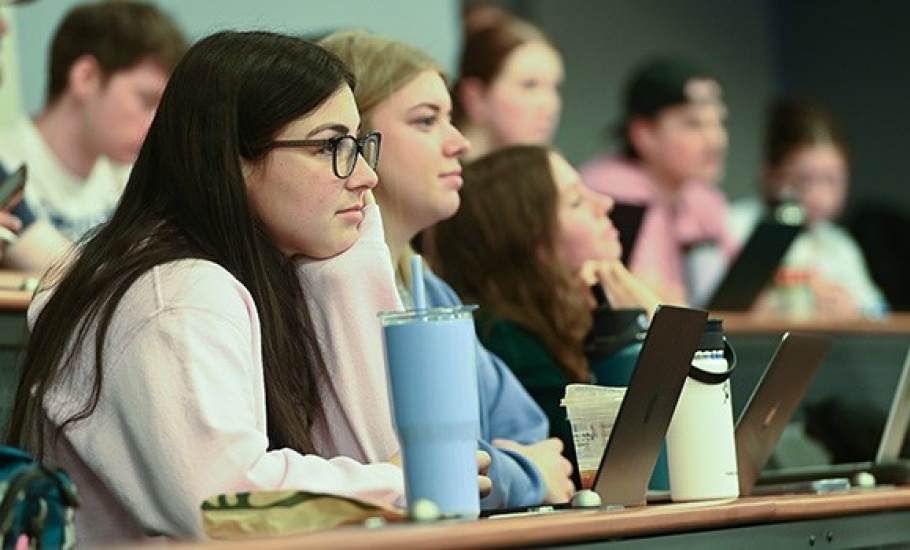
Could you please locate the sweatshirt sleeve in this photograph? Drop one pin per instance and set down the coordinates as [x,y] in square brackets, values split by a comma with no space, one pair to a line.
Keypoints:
[516,481]
[345,293]
[507,411]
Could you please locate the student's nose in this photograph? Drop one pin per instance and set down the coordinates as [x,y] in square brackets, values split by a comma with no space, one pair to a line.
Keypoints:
[716,137]
[363,176]
[455,144]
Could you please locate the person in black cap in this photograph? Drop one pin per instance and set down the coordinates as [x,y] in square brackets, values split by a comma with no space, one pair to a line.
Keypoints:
[674,140]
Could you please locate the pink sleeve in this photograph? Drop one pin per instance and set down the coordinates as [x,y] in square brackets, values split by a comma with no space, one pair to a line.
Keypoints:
[345,294]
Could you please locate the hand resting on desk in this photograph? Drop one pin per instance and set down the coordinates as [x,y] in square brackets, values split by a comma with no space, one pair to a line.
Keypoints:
[555,468]
[484,484]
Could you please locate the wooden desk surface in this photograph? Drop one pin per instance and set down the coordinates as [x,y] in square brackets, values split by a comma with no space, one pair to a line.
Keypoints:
[746,323]
[15,300]
[12,295]
[581,526]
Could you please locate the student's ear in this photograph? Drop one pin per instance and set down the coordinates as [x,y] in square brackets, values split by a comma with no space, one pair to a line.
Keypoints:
[641,136]
[472,93]
[85,77]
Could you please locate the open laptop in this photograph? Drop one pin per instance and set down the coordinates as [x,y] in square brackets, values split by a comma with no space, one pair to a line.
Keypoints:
[644,416]
[888,468]
[754,267]
[627,218]
[773,402]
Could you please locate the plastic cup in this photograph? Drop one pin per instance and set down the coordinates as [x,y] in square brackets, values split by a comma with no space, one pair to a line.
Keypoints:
[591,411]
[433,388]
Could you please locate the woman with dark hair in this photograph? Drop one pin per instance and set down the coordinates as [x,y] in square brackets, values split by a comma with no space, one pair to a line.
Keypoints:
[526,244]
[182,353]
[508,91]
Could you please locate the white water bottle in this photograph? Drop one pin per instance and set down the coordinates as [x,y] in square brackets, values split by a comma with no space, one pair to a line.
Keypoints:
[701,448]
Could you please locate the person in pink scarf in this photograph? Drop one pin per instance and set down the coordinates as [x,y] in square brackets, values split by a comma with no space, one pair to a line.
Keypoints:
[674,142]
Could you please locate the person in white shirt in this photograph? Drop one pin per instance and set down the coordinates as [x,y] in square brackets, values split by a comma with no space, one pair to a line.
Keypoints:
[108,65]
[807,160]
[9,223]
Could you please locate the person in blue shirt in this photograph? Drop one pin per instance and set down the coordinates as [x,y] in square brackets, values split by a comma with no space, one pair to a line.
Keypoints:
[401,92]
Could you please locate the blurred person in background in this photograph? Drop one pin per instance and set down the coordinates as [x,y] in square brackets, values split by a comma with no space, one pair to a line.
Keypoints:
[109,63]
[508,89]
[806,159]
[673,145]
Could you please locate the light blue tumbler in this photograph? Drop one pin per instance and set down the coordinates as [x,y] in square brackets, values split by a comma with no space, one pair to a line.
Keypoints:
[433,389]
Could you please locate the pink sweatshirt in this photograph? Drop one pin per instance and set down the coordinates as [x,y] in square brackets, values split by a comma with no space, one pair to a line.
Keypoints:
[182,416]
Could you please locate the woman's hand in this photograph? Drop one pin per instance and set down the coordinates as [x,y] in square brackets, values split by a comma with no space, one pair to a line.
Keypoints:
[832,300]
[622,288]
[555,468]
[9,226]
[484,483]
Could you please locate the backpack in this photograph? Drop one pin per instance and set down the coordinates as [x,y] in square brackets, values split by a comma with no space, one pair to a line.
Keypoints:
[36,501]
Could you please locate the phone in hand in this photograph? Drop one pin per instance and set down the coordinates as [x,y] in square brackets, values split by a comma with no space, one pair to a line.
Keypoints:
[12,187]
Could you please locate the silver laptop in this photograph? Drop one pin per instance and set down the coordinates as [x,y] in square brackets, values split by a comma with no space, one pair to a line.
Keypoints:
[773,402]
[888,468]
[644,416]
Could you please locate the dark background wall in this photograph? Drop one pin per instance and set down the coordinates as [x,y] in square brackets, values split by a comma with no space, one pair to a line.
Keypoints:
[855,55]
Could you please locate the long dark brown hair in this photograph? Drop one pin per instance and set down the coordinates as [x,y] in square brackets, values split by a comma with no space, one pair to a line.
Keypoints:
[186,198]
[500,250]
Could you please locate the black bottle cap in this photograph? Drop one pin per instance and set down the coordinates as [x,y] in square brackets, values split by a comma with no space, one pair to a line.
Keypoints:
[713,336]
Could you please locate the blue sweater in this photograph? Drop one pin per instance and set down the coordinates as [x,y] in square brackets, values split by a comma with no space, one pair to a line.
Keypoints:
[506,412]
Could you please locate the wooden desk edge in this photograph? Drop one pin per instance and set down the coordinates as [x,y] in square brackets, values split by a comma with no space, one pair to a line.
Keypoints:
[15,300]
[746,323]
[582,526]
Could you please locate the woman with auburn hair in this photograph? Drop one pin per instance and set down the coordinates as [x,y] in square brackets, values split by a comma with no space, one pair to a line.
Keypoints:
[526,245]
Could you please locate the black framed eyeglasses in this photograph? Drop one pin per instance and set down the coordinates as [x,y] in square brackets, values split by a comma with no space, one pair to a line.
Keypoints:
[345,150]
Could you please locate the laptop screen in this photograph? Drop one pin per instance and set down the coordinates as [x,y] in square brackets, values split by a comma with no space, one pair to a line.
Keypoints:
[754,267]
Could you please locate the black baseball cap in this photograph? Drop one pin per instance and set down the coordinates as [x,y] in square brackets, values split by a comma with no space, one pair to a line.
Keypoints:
[660,83]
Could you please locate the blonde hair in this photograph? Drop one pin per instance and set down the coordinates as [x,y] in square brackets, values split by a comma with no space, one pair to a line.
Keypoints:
[381,65]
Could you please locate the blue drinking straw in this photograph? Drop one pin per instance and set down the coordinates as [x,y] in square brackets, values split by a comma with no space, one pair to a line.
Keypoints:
[418,292]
